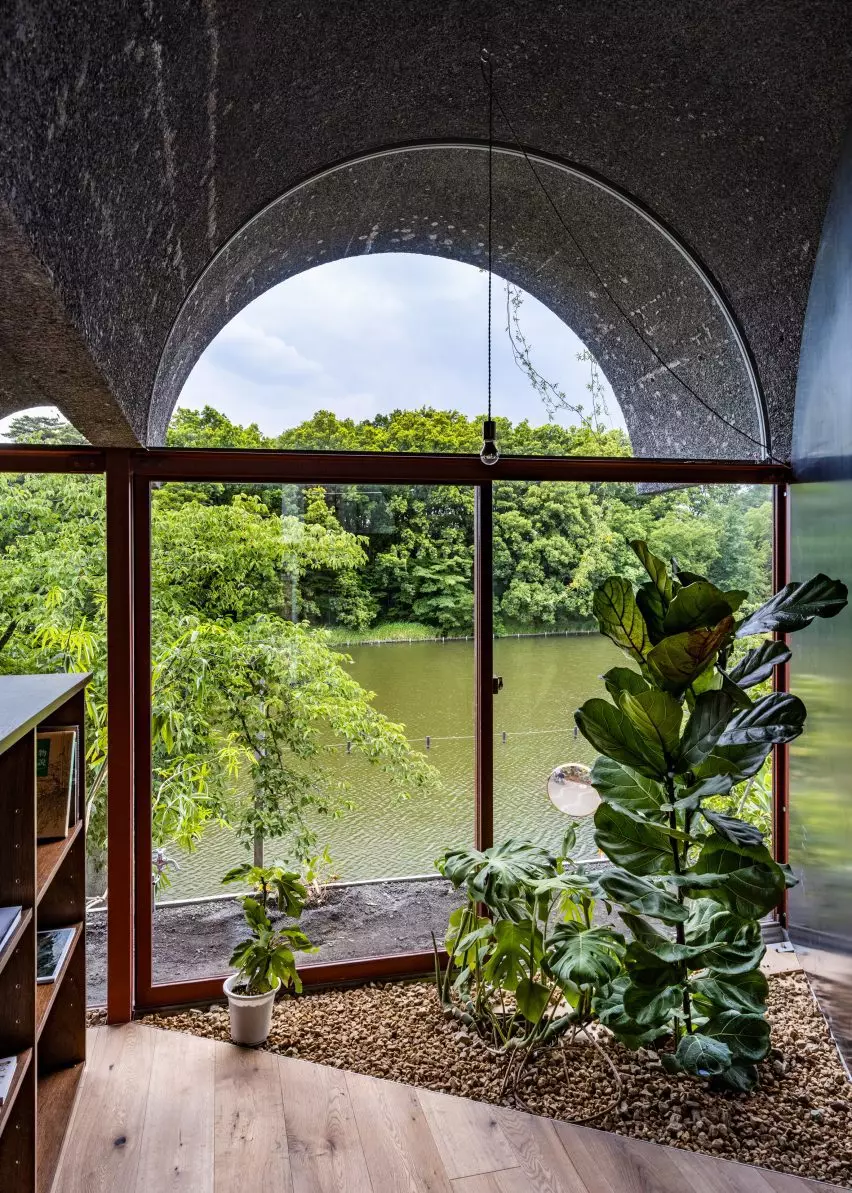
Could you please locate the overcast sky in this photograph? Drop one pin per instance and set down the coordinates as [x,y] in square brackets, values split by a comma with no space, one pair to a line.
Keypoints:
[370,334]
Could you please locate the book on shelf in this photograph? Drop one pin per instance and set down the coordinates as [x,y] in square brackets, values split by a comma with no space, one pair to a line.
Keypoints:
[52,947]
[56,770]
[10,917]
[8,1064]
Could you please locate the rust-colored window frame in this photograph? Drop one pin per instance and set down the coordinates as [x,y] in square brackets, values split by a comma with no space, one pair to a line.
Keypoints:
[129,475]
[392,468]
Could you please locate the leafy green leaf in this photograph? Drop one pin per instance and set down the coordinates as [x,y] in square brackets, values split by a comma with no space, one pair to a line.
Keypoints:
[627,789]
[700,605]
[569,840]
[624,679]
[468,935]
[612,732]
[651,1008]
[754,881]
[658,717]
[740,1076]
[739,762]
[739,697]
[776,718]
[680,659]
[746,992]
[747,1036]
[690,797]
[532,998]
[790,879]
[702,1055]
[654,566]
[517,952]
[705,726]
[795,607]
[759,663]
[609,1007]
[501,875]
[641,895]
[638,846]
[584,956]
[618,616]
[732,829]
[722,941]
[653,609]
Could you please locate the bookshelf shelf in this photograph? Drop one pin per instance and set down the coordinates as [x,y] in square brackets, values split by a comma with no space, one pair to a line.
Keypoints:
[24,1062]
[47,994]
[49,858]
[56,1094]
[11,944]
[43,1025]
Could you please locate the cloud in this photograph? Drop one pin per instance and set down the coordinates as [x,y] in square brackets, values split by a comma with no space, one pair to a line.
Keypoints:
[370,334]
[252,353]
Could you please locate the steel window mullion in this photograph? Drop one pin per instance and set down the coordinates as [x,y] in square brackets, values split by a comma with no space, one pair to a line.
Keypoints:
[483,608]
[781,683]
[421,468]
[120,722]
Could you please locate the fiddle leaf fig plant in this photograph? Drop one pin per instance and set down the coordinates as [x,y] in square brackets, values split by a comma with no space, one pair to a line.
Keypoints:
[690,883]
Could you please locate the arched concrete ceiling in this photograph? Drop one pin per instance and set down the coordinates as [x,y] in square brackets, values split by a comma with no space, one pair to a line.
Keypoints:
[433,200]
[135,140]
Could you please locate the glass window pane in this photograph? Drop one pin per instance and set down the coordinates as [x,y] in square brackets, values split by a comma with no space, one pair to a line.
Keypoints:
[313,695]
[554,542]
[375,314]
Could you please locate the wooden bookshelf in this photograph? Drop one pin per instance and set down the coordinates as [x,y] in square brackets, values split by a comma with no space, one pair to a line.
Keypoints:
[43,1025]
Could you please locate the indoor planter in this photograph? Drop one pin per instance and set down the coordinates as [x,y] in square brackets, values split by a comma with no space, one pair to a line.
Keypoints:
[265,964]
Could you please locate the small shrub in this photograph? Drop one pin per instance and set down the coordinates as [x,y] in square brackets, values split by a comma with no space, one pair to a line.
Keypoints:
[532,966]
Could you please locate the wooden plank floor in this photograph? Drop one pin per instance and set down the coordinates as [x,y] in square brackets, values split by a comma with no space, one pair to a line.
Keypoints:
[162,1111]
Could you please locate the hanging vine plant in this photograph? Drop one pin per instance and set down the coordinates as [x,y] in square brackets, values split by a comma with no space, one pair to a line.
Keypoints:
[689,883]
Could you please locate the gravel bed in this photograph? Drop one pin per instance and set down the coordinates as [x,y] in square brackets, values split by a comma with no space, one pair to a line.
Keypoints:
[799,1119]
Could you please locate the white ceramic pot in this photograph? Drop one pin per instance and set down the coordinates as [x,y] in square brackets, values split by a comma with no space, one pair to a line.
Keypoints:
[251,1014]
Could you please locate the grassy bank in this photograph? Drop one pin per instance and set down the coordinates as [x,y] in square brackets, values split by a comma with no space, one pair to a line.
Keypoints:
[413,631]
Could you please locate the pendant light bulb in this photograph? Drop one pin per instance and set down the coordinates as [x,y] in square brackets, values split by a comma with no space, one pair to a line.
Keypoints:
[490,453]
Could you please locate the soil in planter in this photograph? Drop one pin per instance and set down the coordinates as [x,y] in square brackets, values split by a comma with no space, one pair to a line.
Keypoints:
[799,1119]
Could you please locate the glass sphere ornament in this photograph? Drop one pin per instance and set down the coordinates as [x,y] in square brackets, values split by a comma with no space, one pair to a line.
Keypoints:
[570,790]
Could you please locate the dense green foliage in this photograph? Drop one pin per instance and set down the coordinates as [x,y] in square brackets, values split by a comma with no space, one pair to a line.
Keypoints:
[244,575]
[554,542]
[524,959]
[690,883]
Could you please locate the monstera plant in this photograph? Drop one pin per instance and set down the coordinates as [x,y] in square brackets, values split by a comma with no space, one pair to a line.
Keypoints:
[525,960]
[689,883]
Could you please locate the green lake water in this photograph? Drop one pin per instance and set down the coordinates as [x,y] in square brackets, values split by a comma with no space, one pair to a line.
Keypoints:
[428,687]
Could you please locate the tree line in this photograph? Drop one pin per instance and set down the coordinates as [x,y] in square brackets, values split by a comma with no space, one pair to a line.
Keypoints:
[249,694]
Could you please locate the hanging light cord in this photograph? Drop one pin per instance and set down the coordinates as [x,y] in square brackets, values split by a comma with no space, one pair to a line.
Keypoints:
[485,61]
[488,74]
[490,452]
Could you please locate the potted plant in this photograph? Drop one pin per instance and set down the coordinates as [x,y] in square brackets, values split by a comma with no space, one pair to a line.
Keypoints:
[265,963]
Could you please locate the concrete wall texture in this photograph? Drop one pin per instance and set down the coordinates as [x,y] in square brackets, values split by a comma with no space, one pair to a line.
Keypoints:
[136,139]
